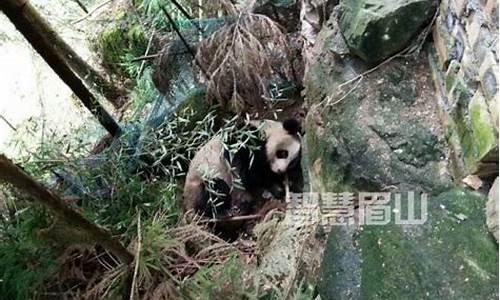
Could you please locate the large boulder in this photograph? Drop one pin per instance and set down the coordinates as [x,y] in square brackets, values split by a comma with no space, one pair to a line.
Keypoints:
[450,256]
[383,132]
[376,29]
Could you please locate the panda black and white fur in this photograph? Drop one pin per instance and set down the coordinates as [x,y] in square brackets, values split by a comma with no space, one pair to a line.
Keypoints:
[277,155]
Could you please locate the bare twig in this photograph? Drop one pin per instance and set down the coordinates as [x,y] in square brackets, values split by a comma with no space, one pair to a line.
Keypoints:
[82,6]
[235,219]
[359,79]
[156,55]
[8,123]
[143,63]
[137,256]
[145,57]
[92,11]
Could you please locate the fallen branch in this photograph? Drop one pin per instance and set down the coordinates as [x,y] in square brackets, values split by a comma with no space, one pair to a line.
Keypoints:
[15,176]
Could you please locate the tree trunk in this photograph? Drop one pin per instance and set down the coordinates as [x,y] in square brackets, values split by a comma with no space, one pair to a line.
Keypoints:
[12,174]
[60,57]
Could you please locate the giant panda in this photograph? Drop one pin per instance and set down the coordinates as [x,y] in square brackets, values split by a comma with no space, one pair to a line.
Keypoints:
[263,169]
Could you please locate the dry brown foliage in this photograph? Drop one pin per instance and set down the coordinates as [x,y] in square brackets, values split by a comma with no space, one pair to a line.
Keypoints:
[240,59]
[165,261]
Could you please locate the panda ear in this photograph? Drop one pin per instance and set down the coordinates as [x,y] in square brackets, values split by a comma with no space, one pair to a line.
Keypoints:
[292,126]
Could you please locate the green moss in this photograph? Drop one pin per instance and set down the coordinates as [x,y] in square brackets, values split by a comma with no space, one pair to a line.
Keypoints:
[485,136]
[447,257]
[472,129]
[317,79]
[376,29]
[460,125]
[460,93]
[451,75]
[443,259]
[332,176]
[120,42]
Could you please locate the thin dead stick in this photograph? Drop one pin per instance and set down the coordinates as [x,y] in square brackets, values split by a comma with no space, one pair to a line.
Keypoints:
[8,123]
[359,77]
[91,12]
[137,256]
[145,57]
[153,56]
[146,53]
[235,219]
[82,6]
[346,94]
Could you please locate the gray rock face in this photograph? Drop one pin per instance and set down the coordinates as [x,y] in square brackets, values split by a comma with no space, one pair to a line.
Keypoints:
[492,210]
[384,133]
[376,29]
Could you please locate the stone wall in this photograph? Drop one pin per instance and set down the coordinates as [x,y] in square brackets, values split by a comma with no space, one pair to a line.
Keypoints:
[465,63]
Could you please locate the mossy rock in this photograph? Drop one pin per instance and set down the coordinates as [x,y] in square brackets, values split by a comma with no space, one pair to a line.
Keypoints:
[369,141]
[376,29]
[450,256]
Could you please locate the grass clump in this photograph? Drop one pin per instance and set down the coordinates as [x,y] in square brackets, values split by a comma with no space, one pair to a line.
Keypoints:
[27,259]
[119,43]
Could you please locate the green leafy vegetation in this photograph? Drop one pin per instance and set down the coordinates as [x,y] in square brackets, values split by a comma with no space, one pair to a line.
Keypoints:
[119,43]
[27,259]
[130,185]
[135,200]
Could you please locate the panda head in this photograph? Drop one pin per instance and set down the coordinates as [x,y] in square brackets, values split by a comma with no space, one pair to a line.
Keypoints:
[283,145]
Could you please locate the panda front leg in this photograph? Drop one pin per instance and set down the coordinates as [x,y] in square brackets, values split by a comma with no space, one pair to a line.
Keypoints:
[277,191]
[242,202]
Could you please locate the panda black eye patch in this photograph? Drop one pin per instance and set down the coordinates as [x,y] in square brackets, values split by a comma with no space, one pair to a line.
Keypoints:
[281,154]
